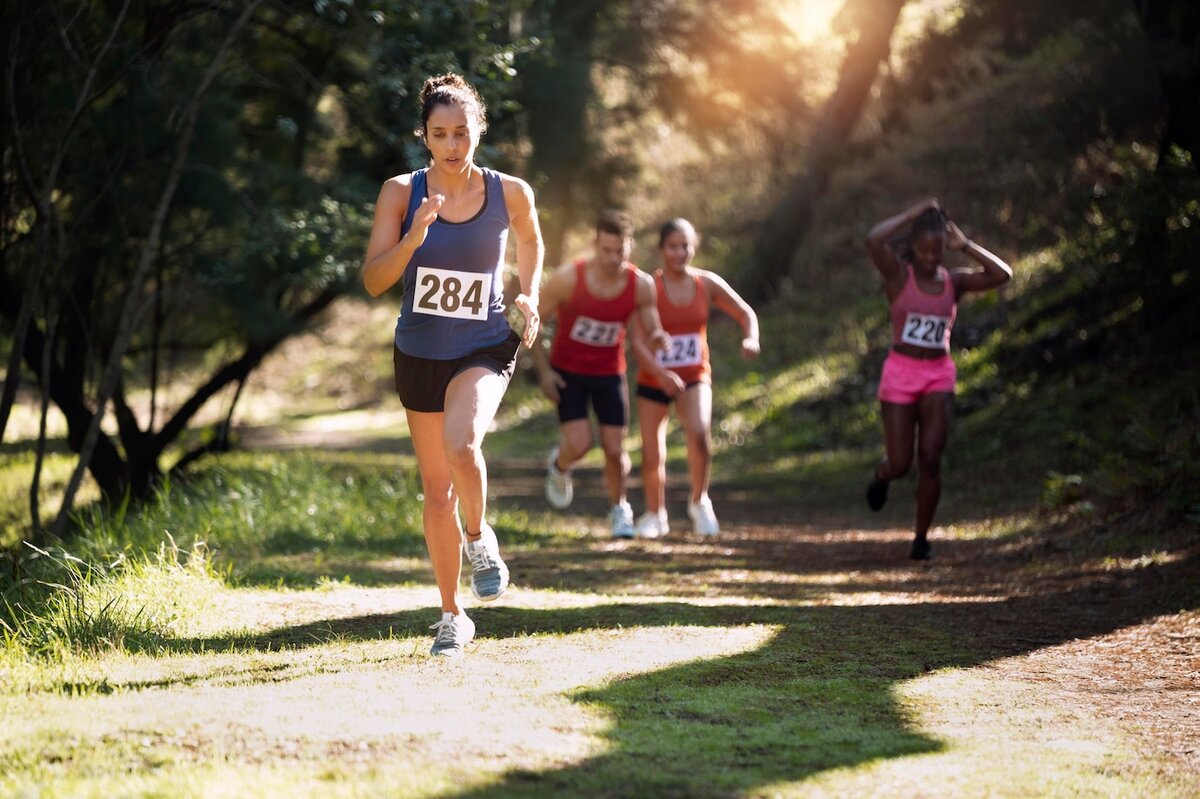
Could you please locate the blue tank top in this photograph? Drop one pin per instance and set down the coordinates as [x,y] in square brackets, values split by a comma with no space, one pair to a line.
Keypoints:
[453,289]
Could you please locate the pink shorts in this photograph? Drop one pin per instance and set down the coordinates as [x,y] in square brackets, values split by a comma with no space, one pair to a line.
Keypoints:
[906,379]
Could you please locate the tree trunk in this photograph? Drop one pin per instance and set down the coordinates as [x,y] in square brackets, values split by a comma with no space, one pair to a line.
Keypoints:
[38,532]
[129,312]
[12,375]
[1173,29]
[235,370]
[107,466]
[789,222]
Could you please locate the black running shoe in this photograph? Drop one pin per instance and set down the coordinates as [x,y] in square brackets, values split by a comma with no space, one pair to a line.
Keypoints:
[876,493]
[920,549]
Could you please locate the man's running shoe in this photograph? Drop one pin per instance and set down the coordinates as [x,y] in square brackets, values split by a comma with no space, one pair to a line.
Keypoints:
[453,633]
[621,519]
[921,549]
[489,574]
[559,491]
[651,524]
[704,521]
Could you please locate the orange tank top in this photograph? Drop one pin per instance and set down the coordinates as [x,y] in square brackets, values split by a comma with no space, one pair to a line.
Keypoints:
[687,356]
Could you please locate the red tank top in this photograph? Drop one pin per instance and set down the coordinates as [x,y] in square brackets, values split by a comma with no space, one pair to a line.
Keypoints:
[924,320]
[590,339]
[688,325]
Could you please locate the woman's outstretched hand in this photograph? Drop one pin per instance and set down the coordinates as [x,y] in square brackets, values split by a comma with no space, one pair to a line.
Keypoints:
[533,321]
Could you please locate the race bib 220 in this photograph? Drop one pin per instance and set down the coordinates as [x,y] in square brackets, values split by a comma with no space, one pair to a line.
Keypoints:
[925,330]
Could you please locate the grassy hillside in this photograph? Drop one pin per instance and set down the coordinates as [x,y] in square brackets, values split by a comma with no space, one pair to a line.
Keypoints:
[1077,380]
[1078,400]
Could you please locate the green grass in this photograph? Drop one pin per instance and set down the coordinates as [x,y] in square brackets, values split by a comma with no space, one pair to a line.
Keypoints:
[136,578]
[263,625]
[130,603]
[609,697]
[281,649]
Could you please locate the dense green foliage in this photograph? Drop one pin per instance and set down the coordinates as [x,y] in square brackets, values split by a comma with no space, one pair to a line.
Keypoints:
[1050,140]
[310,107]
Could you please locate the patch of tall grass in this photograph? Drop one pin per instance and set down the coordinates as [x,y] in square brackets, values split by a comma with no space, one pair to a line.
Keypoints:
[58,604]
[129,577]
[246,505]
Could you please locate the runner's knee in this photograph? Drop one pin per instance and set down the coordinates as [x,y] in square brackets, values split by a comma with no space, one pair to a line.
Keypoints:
[700,442]
[930,463]
[578,443]
[440,500]
[613,450]
[461,452]
[897,468]
[651,458]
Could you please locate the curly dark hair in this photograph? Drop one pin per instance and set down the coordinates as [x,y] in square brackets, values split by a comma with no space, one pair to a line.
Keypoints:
[451,89]
[931,220]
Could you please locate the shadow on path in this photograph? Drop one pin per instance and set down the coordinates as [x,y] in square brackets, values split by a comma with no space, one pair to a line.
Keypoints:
[816,696]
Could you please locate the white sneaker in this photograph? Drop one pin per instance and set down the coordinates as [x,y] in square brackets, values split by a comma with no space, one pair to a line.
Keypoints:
[559,491]
[453,633]
[489,573]
[652,525]
[621,518]
[704,521]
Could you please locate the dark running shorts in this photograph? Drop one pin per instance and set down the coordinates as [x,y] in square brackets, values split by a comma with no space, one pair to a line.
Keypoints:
[421,382]
[607,393]
[658,395]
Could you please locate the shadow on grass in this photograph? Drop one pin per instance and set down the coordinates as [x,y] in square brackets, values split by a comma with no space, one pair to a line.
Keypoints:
[818,695]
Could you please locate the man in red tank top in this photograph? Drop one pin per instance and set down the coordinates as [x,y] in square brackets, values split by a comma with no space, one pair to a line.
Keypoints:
[593,300]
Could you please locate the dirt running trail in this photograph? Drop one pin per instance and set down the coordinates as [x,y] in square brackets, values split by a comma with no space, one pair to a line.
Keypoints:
[1111,638]
[1120,639]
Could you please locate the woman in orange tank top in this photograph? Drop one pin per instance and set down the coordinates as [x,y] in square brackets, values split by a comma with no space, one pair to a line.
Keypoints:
[916,390]
[681,374]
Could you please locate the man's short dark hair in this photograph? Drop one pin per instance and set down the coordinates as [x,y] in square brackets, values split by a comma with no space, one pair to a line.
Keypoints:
[615,222]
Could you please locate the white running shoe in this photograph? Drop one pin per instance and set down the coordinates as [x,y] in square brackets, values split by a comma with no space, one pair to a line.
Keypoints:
[559,491]
[453,633]
[651,524]
[704,521]
[489,573]
[621,518]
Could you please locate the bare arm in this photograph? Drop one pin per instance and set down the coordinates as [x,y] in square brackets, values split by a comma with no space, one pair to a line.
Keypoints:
[886,261]
[724,297]
[387,253]
[557,289]
[523,221]
[995,271]
[646,313]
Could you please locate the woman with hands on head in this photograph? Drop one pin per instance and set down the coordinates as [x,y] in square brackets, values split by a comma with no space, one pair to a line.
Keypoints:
[681,374]
[441,232]
[916,389]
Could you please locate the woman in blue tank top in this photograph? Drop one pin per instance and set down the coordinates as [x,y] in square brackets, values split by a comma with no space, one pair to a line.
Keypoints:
[441,232]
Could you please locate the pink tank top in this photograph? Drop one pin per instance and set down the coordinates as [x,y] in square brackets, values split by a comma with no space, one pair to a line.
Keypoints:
[924,320]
